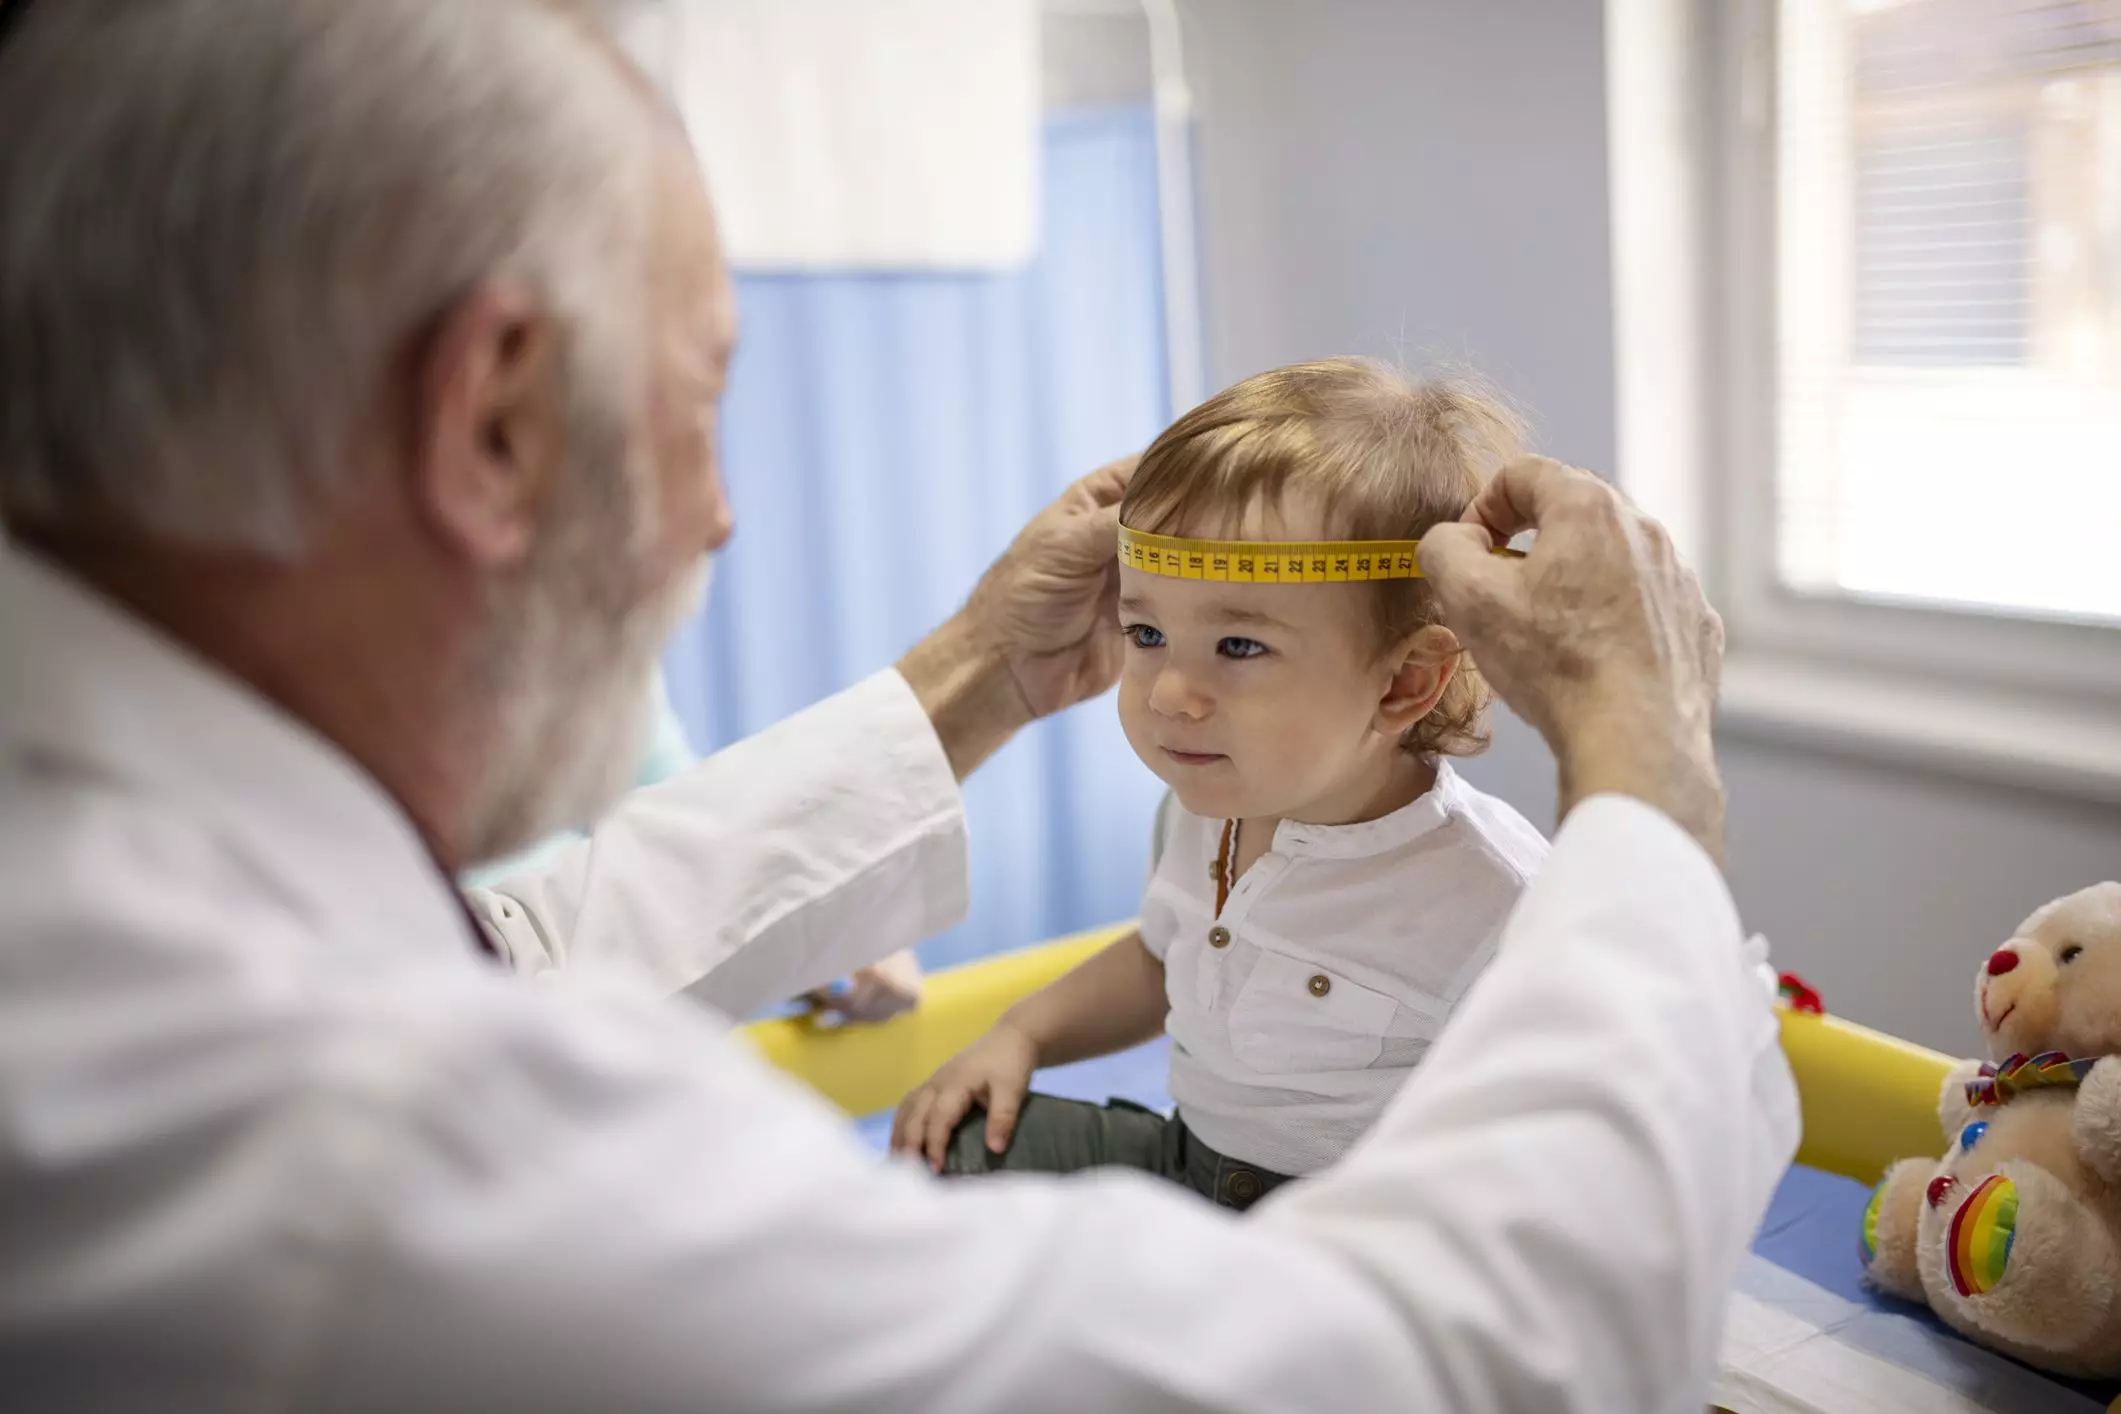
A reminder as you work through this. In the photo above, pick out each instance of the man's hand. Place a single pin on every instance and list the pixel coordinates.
(1050, 604)
(1041, 631)
(1599, 638)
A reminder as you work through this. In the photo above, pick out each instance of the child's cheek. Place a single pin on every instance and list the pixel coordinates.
(1285, 729)
(1134, 715)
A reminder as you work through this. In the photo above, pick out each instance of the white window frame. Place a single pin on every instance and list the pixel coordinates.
(1691, 94)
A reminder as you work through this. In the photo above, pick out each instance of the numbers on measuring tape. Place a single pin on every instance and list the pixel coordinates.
(1270, 562)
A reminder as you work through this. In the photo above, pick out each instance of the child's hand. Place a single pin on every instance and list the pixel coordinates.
(994, 1071)
(875, 993)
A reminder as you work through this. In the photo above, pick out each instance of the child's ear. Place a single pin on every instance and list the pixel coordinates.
(1427, 662)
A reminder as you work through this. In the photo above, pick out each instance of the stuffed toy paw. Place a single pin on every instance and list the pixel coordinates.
(2014, 1236)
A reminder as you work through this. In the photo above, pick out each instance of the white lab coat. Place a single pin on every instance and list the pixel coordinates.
(274, 1135)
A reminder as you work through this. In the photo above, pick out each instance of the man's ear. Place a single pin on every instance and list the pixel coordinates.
(489, 431)
(1427, 662)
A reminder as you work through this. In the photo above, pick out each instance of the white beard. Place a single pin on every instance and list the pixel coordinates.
(603, 735)
(570, 743)
(569, 667)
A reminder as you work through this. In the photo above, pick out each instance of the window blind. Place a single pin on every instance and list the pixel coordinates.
(1948, 302)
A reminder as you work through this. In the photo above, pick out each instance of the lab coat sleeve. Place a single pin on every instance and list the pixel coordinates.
(1593, 1140)
(598, 1204)
(815, 847)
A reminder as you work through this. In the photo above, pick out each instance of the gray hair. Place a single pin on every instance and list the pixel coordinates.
(222, 222)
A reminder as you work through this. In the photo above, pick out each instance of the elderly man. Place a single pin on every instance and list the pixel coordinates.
(358, 367)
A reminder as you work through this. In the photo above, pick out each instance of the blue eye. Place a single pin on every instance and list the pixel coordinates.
(1240, 648)
(1143, 636)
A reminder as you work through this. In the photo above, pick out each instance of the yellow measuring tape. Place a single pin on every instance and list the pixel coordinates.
(1272, 561)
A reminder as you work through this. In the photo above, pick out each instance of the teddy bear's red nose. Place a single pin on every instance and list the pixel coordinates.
(2002, 961)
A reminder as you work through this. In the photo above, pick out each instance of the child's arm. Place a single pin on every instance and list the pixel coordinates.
(1108, 1003)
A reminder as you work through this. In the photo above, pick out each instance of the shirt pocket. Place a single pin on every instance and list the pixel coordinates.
(1293, 1016)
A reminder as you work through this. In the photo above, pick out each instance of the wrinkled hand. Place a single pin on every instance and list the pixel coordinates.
(994, 1071)
(875, 993)
(1600, 637)
(1050, 604)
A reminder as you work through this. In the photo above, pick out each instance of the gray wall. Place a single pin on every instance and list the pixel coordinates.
(1427, 179)
(1089, 58)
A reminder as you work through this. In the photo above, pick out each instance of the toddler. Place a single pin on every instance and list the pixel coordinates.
(1325, 887)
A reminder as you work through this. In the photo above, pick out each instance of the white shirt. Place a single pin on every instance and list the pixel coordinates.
(273, 1136)
(1297, 1013)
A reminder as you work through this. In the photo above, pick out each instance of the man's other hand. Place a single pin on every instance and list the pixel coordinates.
(1599, 637)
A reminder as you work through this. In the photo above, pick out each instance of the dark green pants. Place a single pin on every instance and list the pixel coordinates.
(1066, 1136)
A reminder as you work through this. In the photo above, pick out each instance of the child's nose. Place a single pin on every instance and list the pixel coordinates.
(1173, 696)
(2001, 961)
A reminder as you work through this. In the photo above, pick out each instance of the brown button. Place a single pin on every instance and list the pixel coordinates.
(1215, 871)
(1243, 1186)
(1218, 937)
(1320, 984)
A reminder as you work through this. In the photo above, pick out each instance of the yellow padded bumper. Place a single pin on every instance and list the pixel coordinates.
(864, 1069)
(1868, 1098)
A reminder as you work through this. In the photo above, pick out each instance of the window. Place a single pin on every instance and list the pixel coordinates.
(1867, 275)
(1948, 302)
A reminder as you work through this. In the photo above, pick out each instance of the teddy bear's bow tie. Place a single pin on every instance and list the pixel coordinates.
(2047, 1071)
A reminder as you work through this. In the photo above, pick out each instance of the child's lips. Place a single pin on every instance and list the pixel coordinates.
(1194, 758)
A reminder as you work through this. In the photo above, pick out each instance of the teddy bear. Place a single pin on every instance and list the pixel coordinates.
(2014, 1237)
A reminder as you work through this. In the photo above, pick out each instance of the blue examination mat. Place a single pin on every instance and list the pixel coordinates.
(1805, 1336)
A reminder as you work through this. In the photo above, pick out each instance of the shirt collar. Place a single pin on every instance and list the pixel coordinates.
(88, 685)
(1388, 832)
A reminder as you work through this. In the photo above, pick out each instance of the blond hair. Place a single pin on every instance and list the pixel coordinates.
(1386, 454)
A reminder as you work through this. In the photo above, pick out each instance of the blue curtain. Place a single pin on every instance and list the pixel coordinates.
(900, 429)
